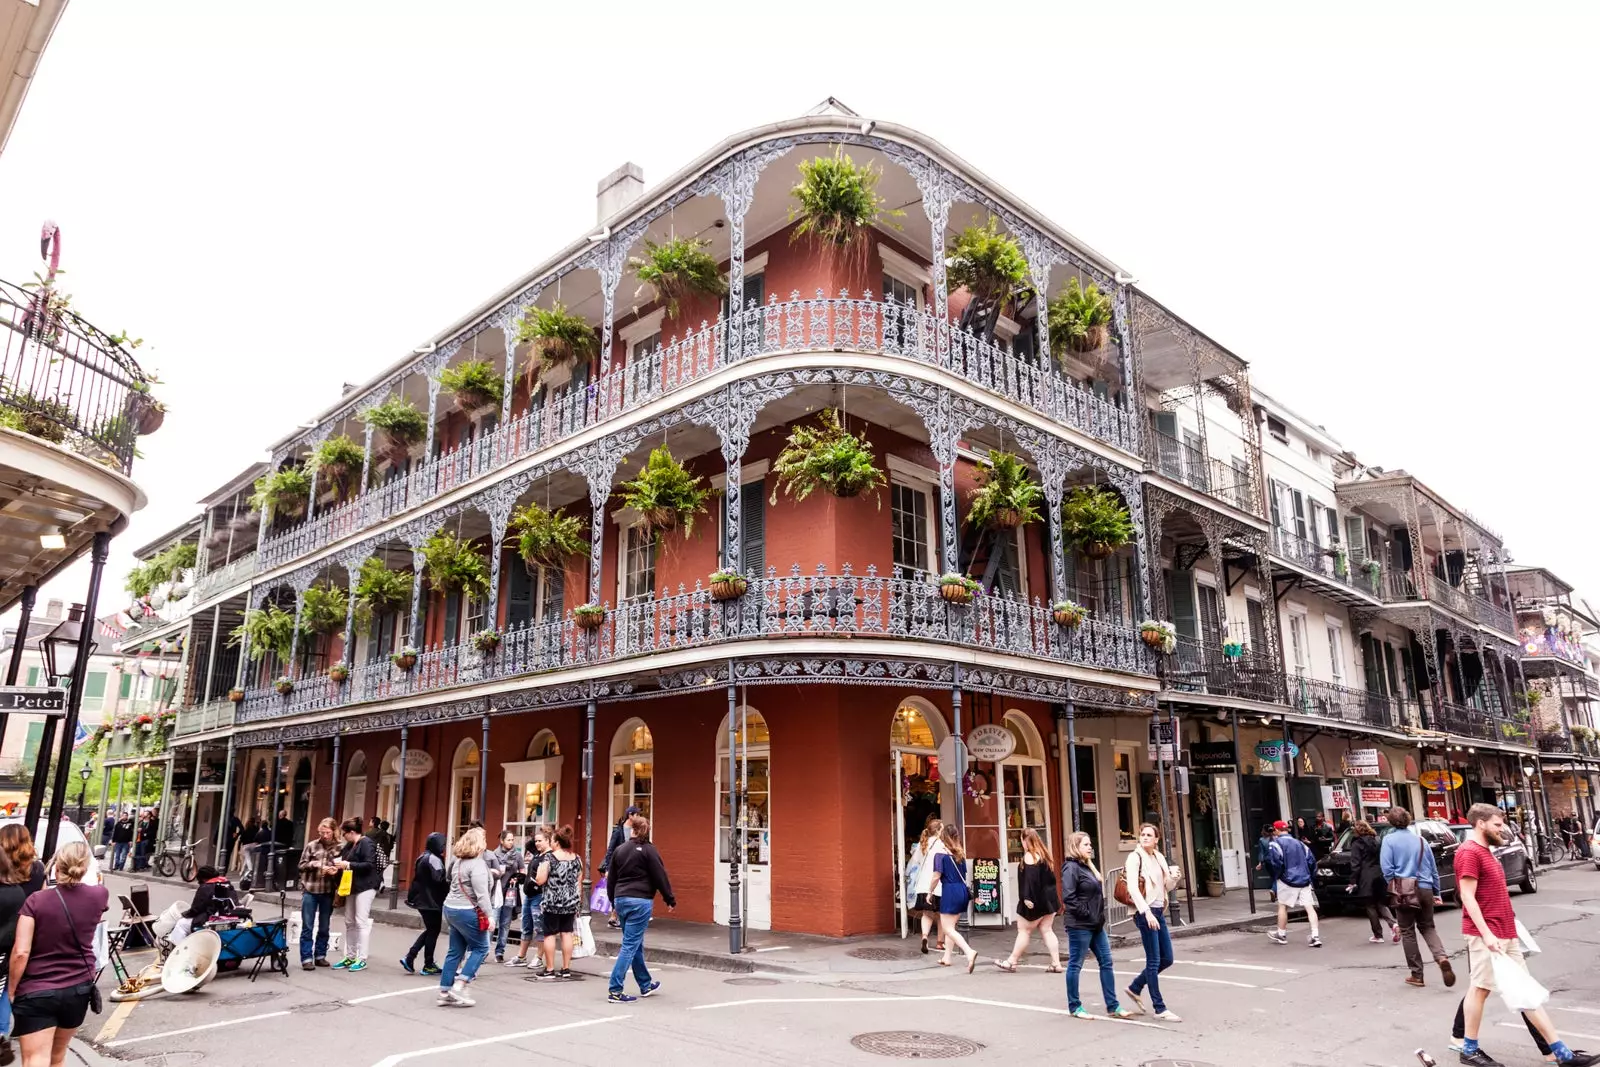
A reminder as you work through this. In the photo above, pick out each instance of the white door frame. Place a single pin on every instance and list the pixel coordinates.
(755, 899)
(1235, 868)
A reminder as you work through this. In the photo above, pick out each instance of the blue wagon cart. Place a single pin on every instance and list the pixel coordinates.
(264, 942)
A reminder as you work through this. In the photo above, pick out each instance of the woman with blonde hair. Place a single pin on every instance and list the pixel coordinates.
(919, 881)
(469, 914)
(950, 886)
(1083, 901)
(1149, 879)
(1037, 902)
(52, 965)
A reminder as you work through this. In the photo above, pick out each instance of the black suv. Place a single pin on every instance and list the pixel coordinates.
(1332, 880)
(1514, 857)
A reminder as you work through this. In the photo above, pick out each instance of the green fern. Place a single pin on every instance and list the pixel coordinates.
(836, 201)
(988, 264)
(826, 456)
(338, 462)
(1006, 496)
(285, 492)
(666, 494)
(1080, 317)
(398, 419)
(473, 383)
(269, 629)
(380, 590)
(558, 338)
(677, 269)
(454, 565)
(547, 538)
(1095, 516)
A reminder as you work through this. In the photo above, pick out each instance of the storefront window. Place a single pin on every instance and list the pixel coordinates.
(532, 799)
(632, 769)
(1122, 771)
(752, 767)
(910, 729)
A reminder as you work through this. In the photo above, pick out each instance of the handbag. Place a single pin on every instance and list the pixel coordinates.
(95, 1003)
(347, 881)
(1120, 890)
(1403, 891)
(483, 916)
(600, 900)
(584, 937)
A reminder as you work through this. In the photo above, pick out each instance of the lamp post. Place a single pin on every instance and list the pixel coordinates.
(79, 653)
(85, 772)
(59, 648)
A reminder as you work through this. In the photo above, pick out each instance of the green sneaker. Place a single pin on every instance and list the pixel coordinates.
(357, 965)
(1081, 1012)
(344, 963)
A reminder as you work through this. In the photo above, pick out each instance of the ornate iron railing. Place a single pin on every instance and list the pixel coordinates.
(225, 577)
(1556, 741)
(1325, 561)
(203, 718)
(1196, 668)
(1341, 702)
(1491, 614)
(819, 605)
(826, 324)
(1475, 722)
(64, 381)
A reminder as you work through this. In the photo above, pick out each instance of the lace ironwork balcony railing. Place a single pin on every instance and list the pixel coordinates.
(1186, 463)
(1491, 614)
(226, 577)
(827, 324)
(64, 381)
(774, 608)
(1341, 702)
(1557, 741)
(1195, 668)
(1475, 722)
(203, 718)
(1324, 561)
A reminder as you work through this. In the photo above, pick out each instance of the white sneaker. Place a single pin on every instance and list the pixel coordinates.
(459, 994)
(1278, 937)
(445, 999)
(516, 961)
(1169, 1016)
(1314, 941)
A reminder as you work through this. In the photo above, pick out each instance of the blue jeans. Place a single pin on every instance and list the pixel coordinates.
(1157, 958)
(466, 940)
(634, 916)
(1079, 944)
(5, 1011)
(503, 927)
(317, 909)
(532, 919)
(119, 855)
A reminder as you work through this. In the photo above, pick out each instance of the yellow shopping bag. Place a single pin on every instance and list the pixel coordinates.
(345, 884)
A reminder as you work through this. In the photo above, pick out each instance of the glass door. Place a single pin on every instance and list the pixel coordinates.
(1023, 800)
(1223, 790)
(747, 827)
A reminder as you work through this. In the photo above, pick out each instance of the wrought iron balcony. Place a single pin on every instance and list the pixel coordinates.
(1183, 462)
(1475, 722)
(1327, 562)
(64, 381)
(1341, 702)
(1194, 668)
(822, 324)
(203, 718)
(838, 607)
(224, 577)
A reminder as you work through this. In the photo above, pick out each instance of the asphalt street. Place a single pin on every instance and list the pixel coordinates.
(1243, 1001)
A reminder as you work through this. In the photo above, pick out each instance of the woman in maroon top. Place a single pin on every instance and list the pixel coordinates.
(52, 968)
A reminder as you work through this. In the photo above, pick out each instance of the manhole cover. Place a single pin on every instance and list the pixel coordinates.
(913, 1045)
(172, 1059)
(317, 1007)
(751, 981)
(871, 953)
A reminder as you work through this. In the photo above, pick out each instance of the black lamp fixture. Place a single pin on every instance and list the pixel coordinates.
(60, 646)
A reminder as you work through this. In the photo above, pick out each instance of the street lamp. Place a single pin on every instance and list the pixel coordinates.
(84, 772)
(60, 647)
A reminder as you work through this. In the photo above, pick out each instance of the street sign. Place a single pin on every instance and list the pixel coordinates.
(33, 700)
(1161, 735)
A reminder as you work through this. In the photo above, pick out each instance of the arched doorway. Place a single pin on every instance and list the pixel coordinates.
(355, 788)
(533, 787)
(389, 805)
(463, 787)
(747, 828)
(633, 753)
(918, 789)
(1023, 803)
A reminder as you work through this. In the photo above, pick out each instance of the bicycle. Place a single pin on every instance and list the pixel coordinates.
(181, 863)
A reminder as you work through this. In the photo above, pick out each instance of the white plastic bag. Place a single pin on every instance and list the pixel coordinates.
(1530, 947)
(585, 938)
(1518, 988)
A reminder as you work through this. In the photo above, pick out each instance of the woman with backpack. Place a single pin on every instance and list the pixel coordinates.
(1367, 883)
(469, 912)
(919, 882)
(1083, 902)
(426, 895)
(359, 858)
(1037, 902)
(559, 874)
(950, 884)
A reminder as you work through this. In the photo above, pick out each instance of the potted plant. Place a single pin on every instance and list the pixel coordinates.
(474, 383)
(589, 616)
(1068, 614)
(665, 494)
(401, 424)
(323, 609)
(1006, 497)
(1096, 521)
(1160, 636)
(268, 629)
(835, 202)
(548, 538)
(1079, 318)
(1232, 649)
(559, 338)
(1374, 571)
(990, 266)
(677, 269)
(454, 565)
(146, 411)
(285, 492)
(144, 722)
(41, 417)
(236, 695)
(380, 590)
(1208, 869)
(339, 672)
(405, 659)
(726, 585)
(486, 641)
(826, 456)
(284, 685)
(338, 462)
(1341, 564)
(957, 588)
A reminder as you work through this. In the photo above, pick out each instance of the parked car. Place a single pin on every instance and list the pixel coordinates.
(1514, 857)
(1332, 880)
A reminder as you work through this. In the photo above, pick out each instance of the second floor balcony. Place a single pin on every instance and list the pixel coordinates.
(1197, 668)
(1333, 701)
(1352, 580)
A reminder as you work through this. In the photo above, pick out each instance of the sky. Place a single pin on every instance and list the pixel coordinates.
(1389, 210)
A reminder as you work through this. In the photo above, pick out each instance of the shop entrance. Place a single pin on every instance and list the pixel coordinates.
(749, 827)
(533, 788)
(354, 804)
(919, 792)
(1022, 786)
(1235, 856)
(1258, 798)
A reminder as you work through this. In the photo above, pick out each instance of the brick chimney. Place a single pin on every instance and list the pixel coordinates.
(617, 190)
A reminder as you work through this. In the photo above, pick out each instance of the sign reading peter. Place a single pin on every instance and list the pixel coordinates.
(36, 700)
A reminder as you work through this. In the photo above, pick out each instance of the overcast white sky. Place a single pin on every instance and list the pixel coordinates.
(1391, 216)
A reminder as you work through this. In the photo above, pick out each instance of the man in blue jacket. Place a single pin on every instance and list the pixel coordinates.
(1291, 865)
(1404, 854)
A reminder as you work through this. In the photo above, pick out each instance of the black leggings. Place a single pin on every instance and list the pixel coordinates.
(1375, 912)
(431, 920)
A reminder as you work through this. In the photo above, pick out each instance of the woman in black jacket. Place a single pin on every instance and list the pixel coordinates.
(1083, 902)
(360, 857)
(427, 895)
(1037, 902)
(1367, 884)
(636, 875)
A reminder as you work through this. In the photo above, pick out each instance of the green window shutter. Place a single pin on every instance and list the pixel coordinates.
(30, 747)
(126, 687)
(33, 675)
(1183, 610)
(95, 689)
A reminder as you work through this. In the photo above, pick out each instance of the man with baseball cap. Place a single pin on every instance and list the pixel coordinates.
(1291, 864)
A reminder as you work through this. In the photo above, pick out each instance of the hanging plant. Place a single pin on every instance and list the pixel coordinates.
(826, 456)
(1096, 521)
(559, 338)
(284, 685)
(836, 201)
(284, 492)
(405, 659)
(665, 494)
(958, 588)
(142, 579)
(1069, 614)
(48, 420)
(236, 695)
(97, 739)
(1374, 570)
(474, 383)
(323, 610)
(380, 590)
(401, 424)
(546, 538)
(1233, 649)
(589, 616)
(268, 629)
(146, 412)
(486, 641)
(455, 565)
(726, 585)
(338, 673)
(1341, 564)
(338, 462)
(989, 265)
(677, 269)
(1160, 636)
(1006, 496)
(1080, 317)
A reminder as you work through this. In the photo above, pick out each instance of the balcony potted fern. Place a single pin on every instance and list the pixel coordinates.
(1096, 521)
(1161, 636)
(474, 383)
(380, 590)
(727, 585)
(338, 462)
(1080, 317)
(677, 269)
(236, 695)
(1006, 496)
(826, 456)
(455, 565)
(145, 410)
(1374, 571)
(285, 492)
(836, 202)
(559, 338)
(339, 672)
(1068, 614)
(284, 685)
(486, 641)
(958, 588)
(548, 538)
(589, 616)
(989, 265)
(405, 659)
(401, 424)
(664, 494)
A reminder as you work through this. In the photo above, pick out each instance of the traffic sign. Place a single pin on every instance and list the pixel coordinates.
(33, 700)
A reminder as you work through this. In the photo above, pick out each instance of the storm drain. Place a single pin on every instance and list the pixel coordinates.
(751, 981)
(317, 1007)
(914, 1045)
(882, 954)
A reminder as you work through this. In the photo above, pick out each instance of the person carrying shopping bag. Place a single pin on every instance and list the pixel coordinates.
(359, 861)
(950, 883)
(469, 914)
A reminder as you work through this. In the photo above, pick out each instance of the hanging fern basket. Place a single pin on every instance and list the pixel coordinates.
(1098, 550)
(589, 617)
(1007, 519)
(1092, 339)
(729, 587)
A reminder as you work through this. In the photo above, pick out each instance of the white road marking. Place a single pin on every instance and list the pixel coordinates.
(401, 1057)
(1564, 1034)
(1168, 976)
(774, 948)
(393, 993)
(197, 1029)
(949, 998)
(1580, 1011)
(1230, 966)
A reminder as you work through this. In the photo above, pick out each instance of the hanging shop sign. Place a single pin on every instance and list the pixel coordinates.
(1337, 797)
(1361, 763)
(1439, 781)
(418, 764)
(1374, 797)
(1438, 806)
(1211, 757)
(985, 886)
(1161, 740)
(1272, 751)
(991, 743)
(1088, 800)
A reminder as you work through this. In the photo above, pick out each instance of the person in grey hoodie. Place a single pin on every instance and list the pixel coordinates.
(507, 866)
(426, 895)
(469, 912)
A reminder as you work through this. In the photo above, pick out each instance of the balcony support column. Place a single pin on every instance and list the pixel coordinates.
(610, 266)
(598, 465)
(499, 503)
(194, 790)
(431, 368)
(366, 468)
(1127, 344)
(510, 327)
(30, 594)
(1127, 483)
(224, 808)
(211, 653)
(960, 752)
(936, 198)
(333, 789)
(732, 420)
(945, 424)
(479, 804)
(400, 814)
(414, 631)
